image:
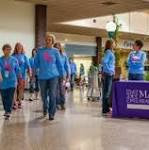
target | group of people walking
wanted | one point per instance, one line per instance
(48, 69)
(13, 68)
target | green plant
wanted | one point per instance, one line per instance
(117, 57)
(117, 31)
(115, 37)
(147, 76)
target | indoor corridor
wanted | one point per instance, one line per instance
(80, 127)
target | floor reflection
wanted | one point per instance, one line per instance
(80, 127)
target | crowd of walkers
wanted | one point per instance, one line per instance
(49, 70)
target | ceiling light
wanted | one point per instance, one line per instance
(66, 40)
(94, 20)
(109, 3)
(111, 26)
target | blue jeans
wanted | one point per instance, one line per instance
(48, 95)
(60, 100)
(72, 81)
(136, 76)
(107, 87)
(34, 85)
(7, 99)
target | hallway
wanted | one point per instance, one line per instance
(80, 127)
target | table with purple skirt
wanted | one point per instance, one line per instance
(130, 99)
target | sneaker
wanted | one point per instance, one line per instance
(14, 106)
(7, 116)
(30, 99)
(44, 114)
(19, 105)
(108, 114)
(51, 118)
(63, 107)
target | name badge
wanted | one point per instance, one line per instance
(6, 74)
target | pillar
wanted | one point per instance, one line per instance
(97, 59)
(40, 24)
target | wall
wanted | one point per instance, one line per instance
(17, 24)
(78, 40)
(133, 22)
(127, 44)
(75, 39)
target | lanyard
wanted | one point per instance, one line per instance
(7, 65)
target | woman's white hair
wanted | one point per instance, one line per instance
(48, 34)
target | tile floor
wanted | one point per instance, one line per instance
(80, 127)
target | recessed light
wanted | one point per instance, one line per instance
(109, 3)
(94, 20)
(66, 40)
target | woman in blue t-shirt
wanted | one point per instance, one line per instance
(61, 88)
(34, 86)
(108, 72)
(9, 73)
(50, 67)
(136, 62)
(24, 67)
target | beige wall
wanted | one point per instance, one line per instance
(75, 38)
(90, 40)
(133, 22)
(78, 39)
(122, 45)
(17, 24)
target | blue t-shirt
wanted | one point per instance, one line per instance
(9, 69)
(32, 64)
(23, 64)
(49, 63)
(65, 64)
(108, 62)
(136, 61)
(31, 61)
(73, 68)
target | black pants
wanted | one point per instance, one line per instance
(7, 99)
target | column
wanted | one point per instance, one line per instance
(97, 59)
(40, 24)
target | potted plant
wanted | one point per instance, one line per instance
(114, 35)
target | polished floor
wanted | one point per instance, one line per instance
(80, 127)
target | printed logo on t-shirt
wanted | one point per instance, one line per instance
(135, 57)
(47, 57)
(7, 67)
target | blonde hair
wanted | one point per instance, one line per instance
(48, 34)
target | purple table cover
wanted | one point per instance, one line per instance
(130, 99)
